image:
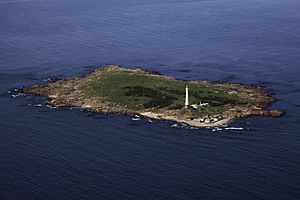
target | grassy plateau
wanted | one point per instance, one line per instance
(139, 91)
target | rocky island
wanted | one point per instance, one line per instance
(115, 89)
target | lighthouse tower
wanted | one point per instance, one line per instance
(186, 104)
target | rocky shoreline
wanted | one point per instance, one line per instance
(69, 93)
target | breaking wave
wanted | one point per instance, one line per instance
(228, 128)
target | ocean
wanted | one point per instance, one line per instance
(62, 153)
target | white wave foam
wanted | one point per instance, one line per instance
(234, 128)
(175, 126)
(52, 107)
(217, 129)
(136, 119)
(17, 95)
(228, 128)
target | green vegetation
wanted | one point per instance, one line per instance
(139, 91)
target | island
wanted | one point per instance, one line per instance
(135, 91)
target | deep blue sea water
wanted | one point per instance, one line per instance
(69, 154)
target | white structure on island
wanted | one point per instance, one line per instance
(193, 106)
(186, 104)
(203, 104)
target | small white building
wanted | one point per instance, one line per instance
(203, 104)
(194, 106)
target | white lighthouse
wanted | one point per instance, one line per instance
(186, 104)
